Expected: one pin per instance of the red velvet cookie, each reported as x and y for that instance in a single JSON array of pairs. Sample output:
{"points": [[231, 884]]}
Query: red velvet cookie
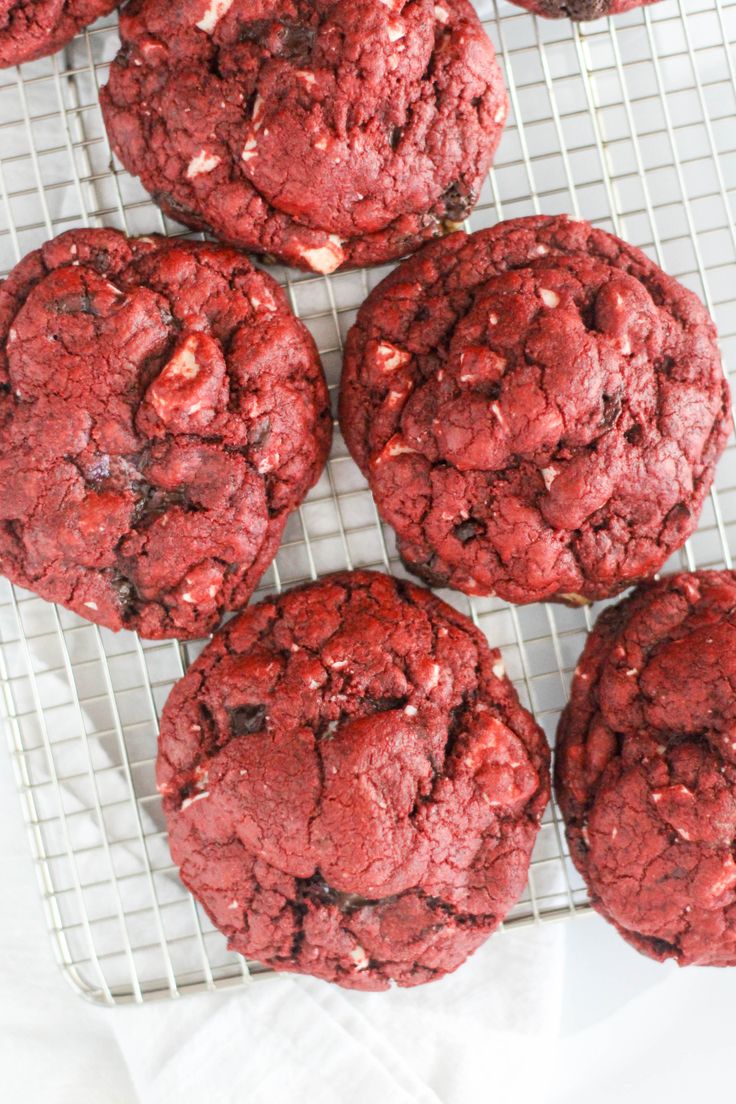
{"points": [[580, 10], [351, 786], [34, 28], [323, 132], [161, 412], [646, 768], [538, 408]]}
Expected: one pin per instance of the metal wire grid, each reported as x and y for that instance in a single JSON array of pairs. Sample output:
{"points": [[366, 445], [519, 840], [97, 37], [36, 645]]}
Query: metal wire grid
{"points": [[630, 124]]}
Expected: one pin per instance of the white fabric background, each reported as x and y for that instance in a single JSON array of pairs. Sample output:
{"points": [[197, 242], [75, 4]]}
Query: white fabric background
{"points": [[551, 1015]]}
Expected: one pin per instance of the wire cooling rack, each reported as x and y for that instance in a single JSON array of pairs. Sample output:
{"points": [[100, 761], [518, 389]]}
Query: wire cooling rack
{"points": [[629, 123]]}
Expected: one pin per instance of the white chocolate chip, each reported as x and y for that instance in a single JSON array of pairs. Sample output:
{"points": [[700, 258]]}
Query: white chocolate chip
{"points": [[492, 319], [321, 144], [499, 668], [91, 605], [492, 361], [215, 12], [390, 357], [691, 587], [726, 880], [12, 335], [264, 299], [203, 162], [625, 346], [396, 31], [200, 585], [549, 475], [325, 258], [683, 791], [360, 958], [182, 387], [441, 14], [632, 672], [541, 250], [259, 110], [150, 47], [497, 411], [190, 800], [73, 249], [306, 76], [411, 710], [249, 149], [500, 114], [549, 298], [233, 905], [183, 364], [433, 678], [397, 446], [313, 684], [268, 463]]}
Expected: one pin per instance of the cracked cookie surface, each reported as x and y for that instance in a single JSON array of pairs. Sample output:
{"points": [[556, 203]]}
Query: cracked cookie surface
{"points": [[326, 134], [34, 28], [646, 767], [161, 413], [538, 409], [351, 786]]}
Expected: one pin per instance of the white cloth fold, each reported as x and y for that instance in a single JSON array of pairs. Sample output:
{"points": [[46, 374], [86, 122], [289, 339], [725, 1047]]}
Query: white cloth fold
{"points": [[462, 1039]]}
